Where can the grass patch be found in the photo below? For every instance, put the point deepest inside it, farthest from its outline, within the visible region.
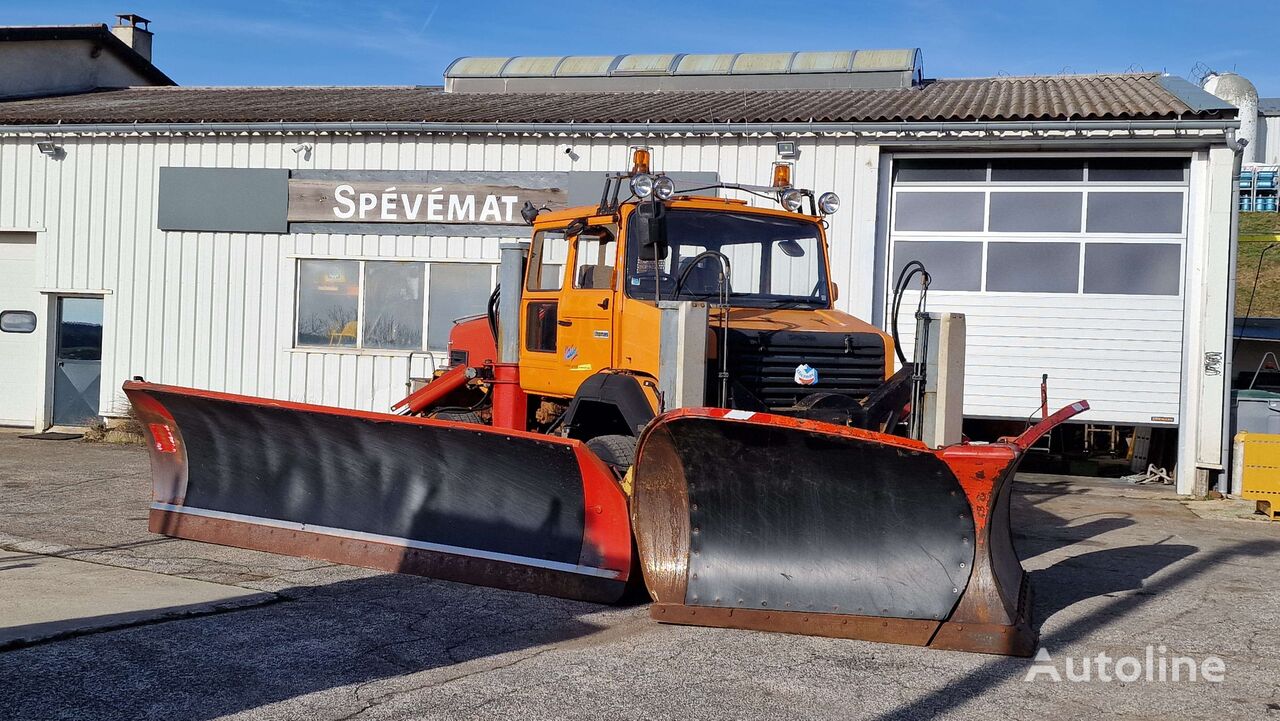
(1266, 301)
(1260, 224)
(127, 430)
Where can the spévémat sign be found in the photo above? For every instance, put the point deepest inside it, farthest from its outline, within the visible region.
(337, 201)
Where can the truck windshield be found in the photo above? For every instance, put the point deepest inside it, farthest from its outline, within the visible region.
(774, 262)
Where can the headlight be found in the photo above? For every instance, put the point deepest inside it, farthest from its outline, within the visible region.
(791, 199)
(642, 185)
(664, 187)
(828, 203)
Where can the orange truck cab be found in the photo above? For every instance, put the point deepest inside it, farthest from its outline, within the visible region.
(589, 316)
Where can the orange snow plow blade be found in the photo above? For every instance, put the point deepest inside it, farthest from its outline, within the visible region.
(454, 501)
(765, 522)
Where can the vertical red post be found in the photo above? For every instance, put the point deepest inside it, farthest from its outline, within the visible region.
(510, 404)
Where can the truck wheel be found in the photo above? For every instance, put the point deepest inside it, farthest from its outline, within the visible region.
(618, 452)
(458, 416)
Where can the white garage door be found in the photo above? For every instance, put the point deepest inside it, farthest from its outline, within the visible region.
(1070, 266)
(21, 329)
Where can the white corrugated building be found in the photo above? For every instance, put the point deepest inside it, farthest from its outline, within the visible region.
(1082, 222)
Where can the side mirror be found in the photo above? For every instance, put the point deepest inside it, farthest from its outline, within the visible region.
(649, 229)
(529, 212)
(835, 292)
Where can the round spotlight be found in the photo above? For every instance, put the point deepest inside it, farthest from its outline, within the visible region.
(791, 199)
(664, 187)
(642, 185)
(828, 203)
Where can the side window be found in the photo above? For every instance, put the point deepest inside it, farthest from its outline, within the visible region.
(595, 261)
(547, 257)
(540, 326)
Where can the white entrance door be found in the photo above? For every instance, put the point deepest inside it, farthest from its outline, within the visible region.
(22, 329)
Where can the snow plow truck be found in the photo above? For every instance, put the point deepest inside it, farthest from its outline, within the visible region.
(660, 398)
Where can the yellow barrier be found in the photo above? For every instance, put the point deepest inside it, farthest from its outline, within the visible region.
(1257, 465)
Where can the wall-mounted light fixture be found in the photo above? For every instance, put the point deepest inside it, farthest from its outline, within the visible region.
(50, 148)
(787, 150)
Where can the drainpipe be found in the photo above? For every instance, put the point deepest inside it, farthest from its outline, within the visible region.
(1228, 484)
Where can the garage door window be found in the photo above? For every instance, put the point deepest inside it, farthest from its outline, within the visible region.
(1036, 212)
(1132, 268)
(953, 265)
(1129, 212)
(1033, 267)
(1100, 225)
(940, 211)
(1037, 170)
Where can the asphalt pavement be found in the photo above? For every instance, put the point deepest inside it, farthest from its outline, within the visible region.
(1115, 568)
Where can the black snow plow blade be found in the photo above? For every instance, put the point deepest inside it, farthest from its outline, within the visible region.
(757, 521)
(454, 501)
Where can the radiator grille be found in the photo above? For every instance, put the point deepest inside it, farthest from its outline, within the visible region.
(765, 364)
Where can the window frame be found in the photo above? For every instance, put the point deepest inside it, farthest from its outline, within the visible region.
(1085, 186)
(536, 245)
(360, 348)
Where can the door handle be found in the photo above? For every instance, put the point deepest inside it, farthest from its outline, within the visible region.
(565, 323)
(604, 304)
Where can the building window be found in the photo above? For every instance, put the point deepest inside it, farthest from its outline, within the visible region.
(393, 305)
(17, 321)
(456, 290)
(328, 302)
(381, 304)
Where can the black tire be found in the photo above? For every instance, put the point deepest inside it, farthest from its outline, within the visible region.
(618, 452)
(458, 416)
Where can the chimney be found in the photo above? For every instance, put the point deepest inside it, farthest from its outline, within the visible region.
(132, 29)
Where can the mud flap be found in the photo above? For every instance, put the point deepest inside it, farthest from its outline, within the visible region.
(453, 501)
(752, 520)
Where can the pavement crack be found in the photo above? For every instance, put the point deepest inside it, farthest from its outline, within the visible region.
(368, 704)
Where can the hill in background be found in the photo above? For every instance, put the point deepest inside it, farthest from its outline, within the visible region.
(1266, 301)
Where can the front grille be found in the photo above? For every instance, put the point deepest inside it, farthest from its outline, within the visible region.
(765, 364)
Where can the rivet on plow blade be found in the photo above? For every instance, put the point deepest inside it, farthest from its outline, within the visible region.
(802, 514)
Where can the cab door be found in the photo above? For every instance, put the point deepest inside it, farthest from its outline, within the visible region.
(540, 367)
(585, 343)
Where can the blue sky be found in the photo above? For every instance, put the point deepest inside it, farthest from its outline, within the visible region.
(409, 42)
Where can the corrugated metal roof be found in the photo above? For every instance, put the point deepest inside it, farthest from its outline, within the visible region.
(1078, 97)
(1257, 329)
(1269, 106)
